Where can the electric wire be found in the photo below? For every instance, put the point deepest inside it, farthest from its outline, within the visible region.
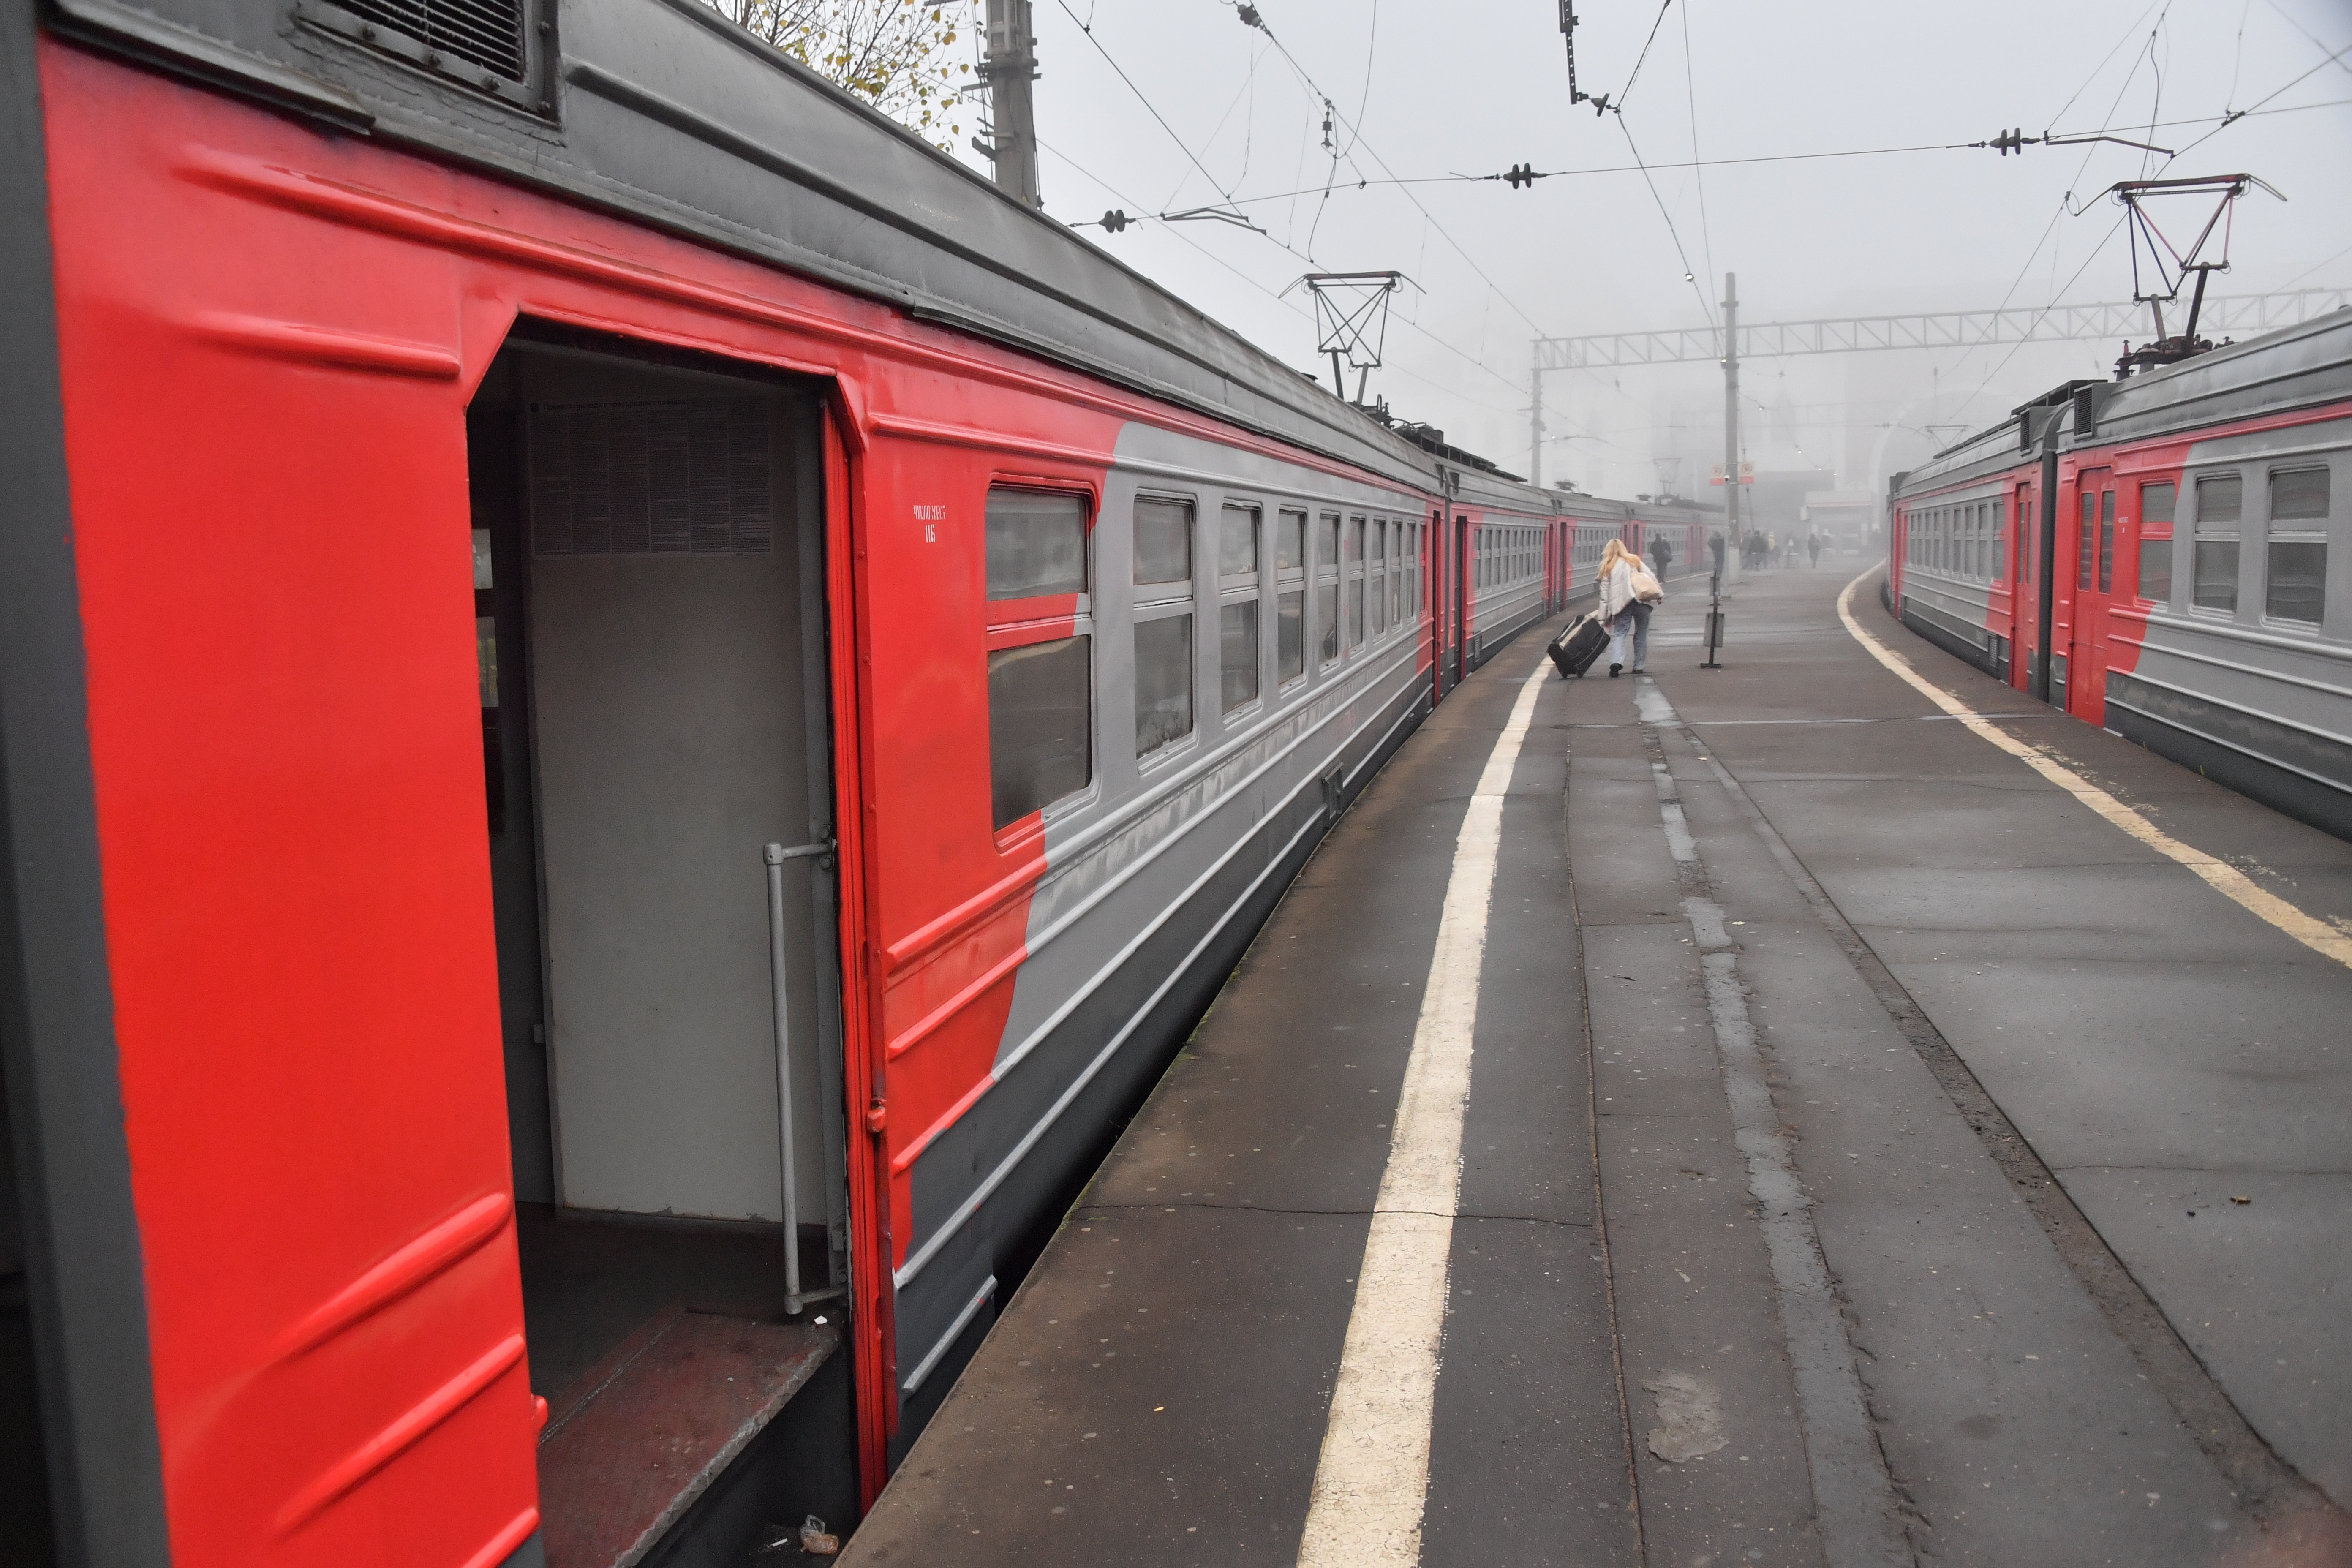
(2297, 26)
(1306, 257)
(1635, 75)
(2213, 119)
(1706, 309)
(1292, 306)
(2065, 202)
(1690, 97)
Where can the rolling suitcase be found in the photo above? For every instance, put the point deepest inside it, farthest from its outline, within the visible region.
(1575, 650)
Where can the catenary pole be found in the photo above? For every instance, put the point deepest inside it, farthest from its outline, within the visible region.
(1731, 407)
(1535, 427)
(1010, 67)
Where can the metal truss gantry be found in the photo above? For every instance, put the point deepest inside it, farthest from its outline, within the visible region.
(2237, 315)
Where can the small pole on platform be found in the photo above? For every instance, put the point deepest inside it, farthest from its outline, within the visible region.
(1713, 615)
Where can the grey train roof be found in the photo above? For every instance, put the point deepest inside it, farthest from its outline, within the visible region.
(2277, 373)
(664, 112)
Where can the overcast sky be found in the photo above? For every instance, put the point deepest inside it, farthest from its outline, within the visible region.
(1426, 89)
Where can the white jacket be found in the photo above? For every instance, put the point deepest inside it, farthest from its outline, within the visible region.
(1617, 589)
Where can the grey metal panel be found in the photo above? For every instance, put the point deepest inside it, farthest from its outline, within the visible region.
(664, 112)
(1983, 457)
(2307, 776)
(84, 1276)
(2296, 368)
(2293, 684)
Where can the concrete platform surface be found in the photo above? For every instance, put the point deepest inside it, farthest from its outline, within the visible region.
(1869, 1154)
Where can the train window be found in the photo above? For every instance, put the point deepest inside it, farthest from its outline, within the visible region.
(2156, 504)
(1164, 541)
(2296, 556)
(2107, 542)
(2219, 501)
(1238, 543)
(2087, 543)
(1036, 544)
(2299, 495)
(1326, 586)
(1237, 600)
(1999, 542)
(1290, 542)
(1164, 622)
(1040, 670)
(1397, 532)
(1354, 544)
(1290, 596)
(1164, 682)
(1040, 725)
(1376, 571)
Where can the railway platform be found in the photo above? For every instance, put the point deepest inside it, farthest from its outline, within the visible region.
(1828, 1111)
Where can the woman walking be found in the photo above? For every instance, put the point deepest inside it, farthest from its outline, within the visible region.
(1627, 594)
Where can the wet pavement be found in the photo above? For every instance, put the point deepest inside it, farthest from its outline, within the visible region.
(1870, 1154)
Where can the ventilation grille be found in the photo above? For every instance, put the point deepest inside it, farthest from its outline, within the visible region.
(692, 478)
(485, 33)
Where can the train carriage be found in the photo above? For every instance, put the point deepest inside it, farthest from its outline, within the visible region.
(2164, 556)
(637, 713)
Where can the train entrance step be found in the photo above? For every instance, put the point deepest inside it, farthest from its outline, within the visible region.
(646, 1434)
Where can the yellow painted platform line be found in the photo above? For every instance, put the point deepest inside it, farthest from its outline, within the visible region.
(2220, 875)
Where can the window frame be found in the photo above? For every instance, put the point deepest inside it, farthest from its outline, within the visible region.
(2229, 531)
(1148, 603)
(1034, 619)
(2297, 531)
(2148, 531)
(1324, 622)
(1351, 584)
(1245, 587)
(1297, 579)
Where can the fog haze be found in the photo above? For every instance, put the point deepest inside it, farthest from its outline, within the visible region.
(1422, 89)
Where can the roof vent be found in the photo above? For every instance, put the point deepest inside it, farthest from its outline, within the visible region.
(485, 33)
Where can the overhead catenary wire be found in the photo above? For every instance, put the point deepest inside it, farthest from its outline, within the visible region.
(1655, 168)
(1296, 309)
(1698, 170)
(1214, 184)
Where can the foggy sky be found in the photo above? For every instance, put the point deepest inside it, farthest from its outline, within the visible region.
(1430, 87)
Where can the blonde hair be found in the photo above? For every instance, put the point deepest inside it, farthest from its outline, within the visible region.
(1614, 552)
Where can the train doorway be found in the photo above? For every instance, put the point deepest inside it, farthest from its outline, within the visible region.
(649, 567)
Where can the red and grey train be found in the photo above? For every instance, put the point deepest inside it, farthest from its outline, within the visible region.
(631, 710)
(2165, 556)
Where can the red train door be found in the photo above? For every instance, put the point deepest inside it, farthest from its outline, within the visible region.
(1464, 591)
(2095, 575)
(2018, 573)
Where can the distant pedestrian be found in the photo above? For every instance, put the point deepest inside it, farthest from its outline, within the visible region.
(1628, 594)
(1814, 548)
(1716, 548)
(1662, 552)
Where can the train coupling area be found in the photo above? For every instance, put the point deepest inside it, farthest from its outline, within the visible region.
(1779, 1115)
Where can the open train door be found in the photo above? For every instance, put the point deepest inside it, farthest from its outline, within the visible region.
(651, 549)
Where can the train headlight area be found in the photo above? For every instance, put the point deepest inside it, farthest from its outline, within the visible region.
(714, 843)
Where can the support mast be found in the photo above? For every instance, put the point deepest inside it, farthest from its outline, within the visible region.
(1535, 426)
(1731, 409)
(1010, 67)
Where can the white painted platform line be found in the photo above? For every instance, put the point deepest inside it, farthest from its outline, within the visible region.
(1373, 1480)
(2220, 875)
